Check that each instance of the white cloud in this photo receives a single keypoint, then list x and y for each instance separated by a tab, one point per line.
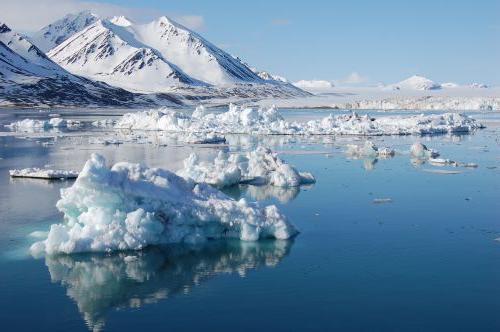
354	78
31	15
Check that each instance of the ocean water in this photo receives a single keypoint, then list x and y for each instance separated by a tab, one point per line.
428	260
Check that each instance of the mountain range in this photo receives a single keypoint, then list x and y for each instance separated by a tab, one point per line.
84	60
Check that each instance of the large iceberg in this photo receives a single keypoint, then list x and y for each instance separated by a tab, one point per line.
240	120
259	167
129	206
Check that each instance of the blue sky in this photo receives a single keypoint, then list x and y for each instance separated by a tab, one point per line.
383	41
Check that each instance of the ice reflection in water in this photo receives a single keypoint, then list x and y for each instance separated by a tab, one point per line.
99	283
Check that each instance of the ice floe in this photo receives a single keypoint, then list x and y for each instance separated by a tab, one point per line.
129	206
260	167
39	173
369	150
31	124
241	120
421	151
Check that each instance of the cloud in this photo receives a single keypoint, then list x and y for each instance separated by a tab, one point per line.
31	15
191	21
280	22
354	78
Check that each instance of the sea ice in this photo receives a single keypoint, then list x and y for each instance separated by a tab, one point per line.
129	206
420	151
369	150
31	124
259	167
240	120
39	173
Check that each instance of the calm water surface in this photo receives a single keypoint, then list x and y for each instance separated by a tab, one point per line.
427	261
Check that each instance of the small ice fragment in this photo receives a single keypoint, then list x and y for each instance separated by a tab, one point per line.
38	173
440	171
382	200
420	151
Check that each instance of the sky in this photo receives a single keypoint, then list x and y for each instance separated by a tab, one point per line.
342	41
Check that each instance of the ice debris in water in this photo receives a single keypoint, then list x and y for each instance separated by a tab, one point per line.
258	167
369	150
420	151
241	120
30	124
39	173
129	206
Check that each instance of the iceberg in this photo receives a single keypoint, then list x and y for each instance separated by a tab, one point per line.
420	151
259	167
130	207
241	120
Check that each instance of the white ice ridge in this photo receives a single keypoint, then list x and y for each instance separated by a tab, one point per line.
129	206
39	173
258	167
29	124
239	120
369	150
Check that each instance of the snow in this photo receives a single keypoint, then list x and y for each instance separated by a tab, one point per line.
129	207
57	32
43	173
313	85
259	167
268	121
416	82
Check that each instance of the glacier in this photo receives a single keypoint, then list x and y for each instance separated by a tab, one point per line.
129	207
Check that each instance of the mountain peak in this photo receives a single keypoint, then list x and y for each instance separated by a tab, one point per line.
121	21
4	28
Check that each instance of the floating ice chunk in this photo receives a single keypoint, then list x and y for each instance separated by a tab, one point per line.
258	167
382	200
129	207
31	124
442	162
105	123
239	120
38	173
369	150
420	151
202	138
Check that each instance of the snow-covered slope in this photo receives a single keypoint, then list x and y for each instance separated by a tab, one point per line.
29	78
109	52
195	55
416	82
57	32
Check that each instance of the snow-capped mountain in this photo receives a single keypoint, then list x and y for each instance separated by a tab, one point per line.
195	55
105	44
110	53
29	78
57	32
416	82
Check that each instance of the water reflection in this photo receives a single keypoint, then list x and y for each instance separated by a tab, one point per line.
265	192
99	283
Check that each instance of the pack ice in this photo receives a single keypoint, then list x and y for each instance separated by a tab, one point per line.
129	206
241	120
258	167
